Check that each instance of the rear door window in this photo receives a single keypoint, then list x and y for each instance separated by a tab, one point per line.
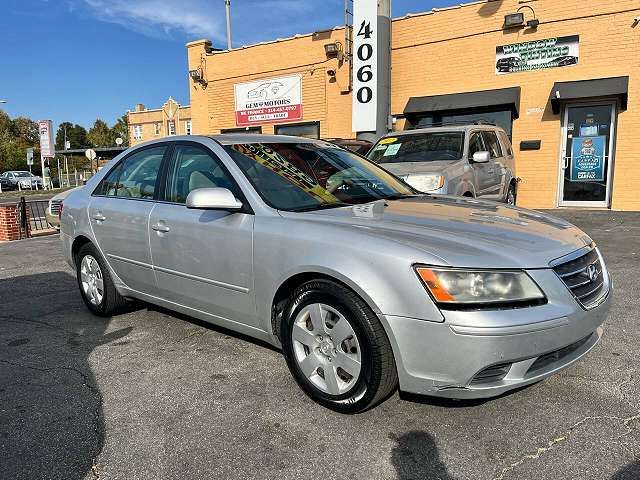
135	176
506	143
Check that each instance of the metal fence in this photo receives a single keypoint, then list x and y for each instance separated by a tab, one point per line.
33	217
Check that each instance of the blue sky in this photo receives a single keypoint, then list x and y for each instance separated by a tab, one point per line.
76	60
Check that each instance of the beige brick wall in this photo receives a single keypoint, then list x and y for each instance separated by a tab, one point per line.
453	51
148	118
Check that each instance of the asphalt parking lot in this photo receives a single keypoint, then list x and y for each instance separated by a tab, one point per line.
150	394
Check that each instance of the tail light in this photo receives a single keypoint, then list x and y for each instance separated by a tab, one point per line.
60	211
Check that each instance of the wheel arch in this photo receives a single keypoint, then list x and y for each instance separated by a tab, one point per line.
294	279
77	244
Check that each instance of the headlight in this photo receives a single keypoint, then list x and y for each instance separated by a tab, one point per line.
425	183
451	287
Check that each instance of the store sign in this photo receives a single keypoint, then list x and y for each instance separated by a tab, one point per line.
538	55
365	65
47	145
272	100
588	159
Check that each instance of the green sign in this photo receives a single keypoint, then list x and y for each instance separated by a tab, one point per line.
538	55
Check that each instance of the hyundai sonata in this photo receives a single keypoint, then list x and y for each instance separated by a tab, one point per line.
365	283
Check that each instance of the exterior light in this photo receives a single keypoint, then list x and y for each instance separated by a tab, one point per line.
513	20
196	76
533	23
332	50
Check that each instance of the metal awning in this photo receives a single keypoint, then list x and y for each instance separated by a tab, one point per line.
601	87
502	97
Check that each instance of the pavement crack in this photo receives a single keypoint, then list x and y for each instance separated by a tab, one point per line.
563	439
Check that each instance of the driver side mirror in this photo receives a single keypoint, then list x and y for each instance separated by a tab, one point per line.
213	199
481	157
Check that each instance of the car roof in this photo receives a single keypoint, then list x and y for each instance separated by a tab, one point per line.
445	128
235	138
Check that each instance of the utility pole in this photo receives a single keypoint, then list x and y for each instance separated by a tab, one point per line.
227	4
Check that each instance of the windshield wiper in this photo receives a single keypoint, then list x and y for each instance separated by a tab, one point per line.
398	196
322	206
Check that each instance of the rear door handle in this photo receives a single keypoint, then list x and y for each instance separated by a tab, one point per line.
160	227
98	217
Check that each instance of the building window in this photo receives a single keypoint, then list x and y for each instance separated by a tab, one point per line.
309	130
187	127
171	127
137	132
156	129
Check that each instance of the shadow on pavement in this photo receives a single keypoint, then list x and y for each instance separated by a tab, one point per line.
628	472
51	418
415	457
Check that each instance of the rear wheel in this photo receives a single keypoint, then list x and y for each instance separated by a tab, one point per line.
336	348
95	283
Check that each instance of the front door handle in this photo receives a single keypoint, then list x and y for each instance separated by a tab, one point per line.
98	217
160	227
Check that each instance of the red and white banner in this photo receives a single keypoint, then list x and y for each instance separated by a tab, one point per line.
47	145
272	100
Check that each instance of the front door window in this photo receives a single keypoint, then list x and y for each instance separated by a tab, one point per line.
587	155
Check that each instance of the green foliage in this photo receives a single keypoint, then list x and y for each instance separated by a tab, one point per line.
76	136
100	135
121	129
15	137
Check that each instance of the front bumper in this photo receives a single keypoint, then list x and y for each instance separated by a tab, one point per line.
445	359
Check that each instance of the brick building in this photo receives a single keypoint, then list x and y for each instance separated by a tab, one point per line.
147	124
565	87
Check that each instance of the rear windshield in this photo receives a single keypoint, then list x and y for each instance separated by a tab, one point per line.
419	147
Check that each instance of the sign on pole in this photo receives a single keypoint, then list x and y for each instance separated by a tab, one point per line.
29	156
90	153
47	145
365	65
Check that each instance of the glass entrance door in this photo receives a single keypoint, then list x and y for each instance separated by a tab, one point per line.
588	145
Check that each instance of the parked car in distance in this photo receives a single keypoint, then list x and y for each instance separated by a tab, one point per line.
359	146
470	160
16	180
55	206
364	282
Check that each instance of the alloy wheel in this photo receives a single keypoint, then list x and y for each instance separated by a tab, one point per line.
92	280
326	349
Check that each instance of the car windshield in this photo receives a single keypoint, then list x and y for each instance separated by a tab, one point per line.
419	147
22	174
311	176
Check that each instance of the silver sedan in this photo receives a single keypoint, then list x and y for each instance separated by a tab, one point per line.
365	283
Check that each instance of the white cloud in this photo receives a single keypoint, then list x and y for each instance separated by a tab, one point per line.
157	18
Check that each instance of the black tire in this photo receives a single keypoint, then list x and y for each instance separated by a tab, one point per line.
112	302
378	376
512	195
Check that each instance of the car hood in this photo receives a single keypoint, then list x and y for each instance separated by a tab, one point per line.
411	168
463	232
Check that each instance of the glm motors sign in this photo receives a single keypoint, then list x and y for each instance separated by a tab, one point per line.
271	100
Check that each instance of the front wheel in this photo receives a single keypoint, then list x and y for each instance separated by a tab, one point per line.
511	195
336	348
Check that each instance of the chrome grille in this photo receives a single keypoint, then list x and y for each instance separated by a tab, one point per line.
55	207
584	276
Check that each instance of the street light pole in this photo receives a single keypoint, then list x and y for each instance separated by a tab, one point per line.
227	4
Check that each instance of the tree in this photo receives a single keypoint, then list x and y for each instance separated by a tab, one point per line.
121	129
100	135
26	129
76	136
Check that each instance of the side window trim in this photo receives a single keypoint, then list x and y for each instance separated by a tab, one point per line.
124	159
